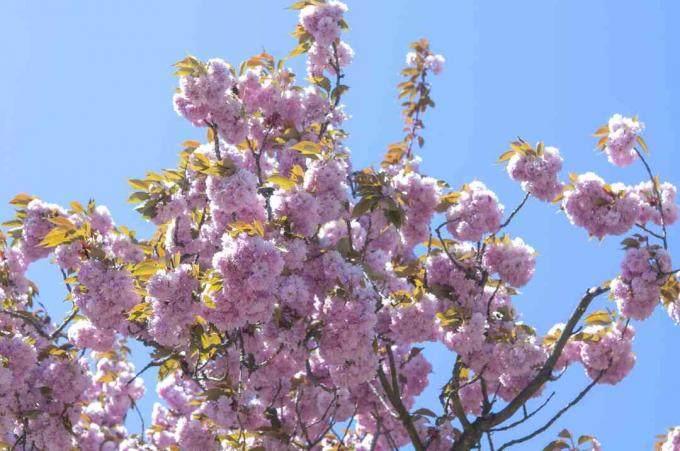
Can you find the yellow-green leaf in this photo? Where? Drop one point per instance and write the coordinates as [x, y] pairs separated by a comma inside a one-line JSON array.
[[600, 317], [307, 148], [643, 144], [282, 181], [21, 200], [505, 156]]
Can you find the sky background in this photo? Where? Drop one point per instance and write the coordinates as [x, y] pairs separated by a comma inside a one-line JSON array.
[[87, 103]]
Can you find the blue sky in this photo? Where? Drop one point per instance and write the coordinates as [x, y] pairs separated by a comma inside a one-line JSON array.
[[87, 103]]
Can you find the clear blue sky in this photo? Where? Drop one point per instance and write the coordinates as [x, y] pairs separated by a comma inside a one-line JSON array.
[[87, 103]]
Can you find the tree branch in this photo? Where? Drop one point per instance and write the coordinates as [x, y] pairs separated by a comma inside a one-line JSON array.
[[556, 416], [395, 399], [514, 212], [658, 197]]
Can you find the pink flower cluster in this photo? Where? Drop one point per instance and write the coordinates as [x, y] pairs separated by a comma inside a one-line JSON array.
[[538, 173], [36, 226], [324, 23], [209, 98], [422, 197], [250, 267], [599, 208], [350, 357], [621, 139], [514, 261], [649, 203], [300, 208], [672, 440], [433, 62], [105, 295], [174, 307], [611, 357], [637, 289], [476, 213]]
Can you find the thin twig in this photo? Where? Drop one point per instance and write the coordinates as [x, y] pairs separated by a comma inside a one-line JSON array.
[[64, 323], [658, 197], [514, 212], [526, 415], [556, 416], [651, 232]]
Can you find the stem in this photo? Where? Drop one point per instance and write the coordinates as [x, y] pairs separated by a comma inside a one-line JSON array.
[[654, 234], [658, 197], [514, 212], [338, 76], [416, 123], [526, 415], [64, 323], [216, 138], [571, 404]]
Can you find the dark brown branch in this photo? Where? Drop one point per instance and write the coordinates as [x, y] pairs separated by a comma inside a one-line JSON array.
[[472, 434], [64, 323], [514, 212], [216, 138], [27, 318], [526, 415], [545, 372], [395, 399], [550, 422], [455, 398], [651, 232]]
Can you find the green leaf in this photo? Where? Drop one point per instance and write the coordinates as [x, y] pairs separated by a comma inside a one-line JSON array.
[[146, 268], [585, 439], [109, 376], [55, 237], [167, 367], [564, 433], [137, 197], [643, 144], [366, 204], [140, 312], [21, 200], [556, 445], [307, 148], [300, 49], [600, 318], [139, 184], [282, 181]]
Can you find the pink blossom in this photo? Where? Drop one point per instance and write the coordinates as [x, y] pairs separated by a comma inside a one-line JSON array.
[[637, 289], [649, 203], [599, 208], [477, 212], [611, 357], [435, 63], [513, 260], [621, 139], [537, 173]]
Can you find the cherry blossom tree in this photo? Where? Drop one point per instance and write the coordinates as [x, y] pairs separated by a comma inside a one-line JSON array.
[[284, 292]]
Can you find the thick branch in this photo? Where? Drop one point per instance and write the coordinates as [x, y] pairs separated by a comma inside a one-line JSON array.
[[544, 374], [395, 399], [472, 434]]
